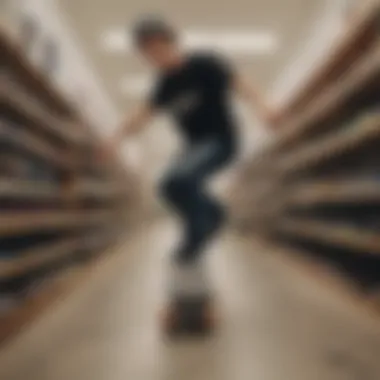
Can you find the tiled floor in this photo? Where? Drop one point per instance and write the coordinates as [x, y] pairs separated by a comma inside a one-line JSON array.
[[274, 325]]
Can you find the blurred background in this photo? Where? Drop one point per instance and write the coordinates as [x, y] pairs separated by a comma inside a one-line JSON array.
[[84, 241]]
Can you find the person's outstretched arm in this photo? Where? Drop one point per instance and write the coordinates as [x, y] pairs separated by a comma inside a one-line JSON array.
[[134, 123], [250, 94]]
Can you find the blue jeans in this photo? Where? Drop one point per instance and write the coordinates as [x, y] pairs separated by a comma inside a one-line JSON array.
[[184, 188]]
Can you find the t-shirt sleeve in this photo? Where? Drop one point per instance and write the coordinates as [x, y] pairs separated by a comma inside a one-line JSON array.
[[157, 99]]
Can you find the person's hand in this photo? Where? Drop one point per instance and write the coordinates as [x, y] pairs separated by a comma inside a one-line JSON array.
[[108, 150], [274, 119]]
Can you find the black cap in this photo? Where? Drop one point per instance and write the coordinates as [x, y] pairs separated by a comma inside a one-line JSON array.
[[148, 28]]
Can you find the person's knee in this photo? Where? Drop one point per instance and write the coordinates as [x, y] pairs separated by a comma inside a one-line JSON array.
[[175, 187]]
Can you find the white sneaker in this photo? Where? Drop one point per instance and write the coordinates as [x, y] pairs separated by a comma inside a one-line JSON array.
[[188, 280]]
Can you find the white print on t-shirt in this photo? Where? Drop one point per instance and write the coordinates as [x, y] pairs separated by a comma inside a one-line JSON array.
[[185, 103]]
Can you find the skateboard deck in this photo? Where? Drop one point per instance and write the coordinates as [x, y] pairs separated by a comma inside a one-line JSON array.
[[189, 316]]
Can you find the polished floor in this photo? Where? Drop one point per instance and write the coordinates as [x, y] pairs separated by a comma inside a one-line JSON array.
[[275, 324]]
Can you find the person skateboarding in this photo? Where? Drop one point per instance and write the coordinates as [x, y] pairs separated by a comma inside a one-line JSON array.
[[195, 89]]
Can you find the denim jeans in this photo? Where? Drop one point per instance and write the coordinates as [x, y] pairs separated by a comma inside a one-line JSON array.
[[184, 188]]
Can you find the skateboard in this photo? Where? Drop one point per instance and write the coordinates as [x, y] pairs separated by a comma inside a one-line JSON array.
[[190, 316]]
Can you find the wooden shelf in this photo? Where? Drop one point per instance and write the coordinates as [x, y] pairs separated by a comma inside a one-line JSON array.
[[20, 222], [45, 191], [331, 102], [335, 192], [14, 97], [333, 97], [66, 282], [317, 152], [98, 190], [339, 57], [22, 189], [43, 89], [32, 77], [62, 222], [34, 258], [324, 275], [342, 236], [331, 130], [35, 145], [29, 260]]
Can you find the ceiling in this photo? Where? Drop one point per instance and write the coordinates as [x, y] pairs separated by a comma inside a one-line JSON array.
[[91, 19]]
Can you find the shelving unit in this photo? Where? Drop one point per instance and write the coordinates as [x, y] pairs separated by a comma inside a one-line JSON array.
[[315, 188], [355, 39], [355, 238], [354, 191], [60, 205]]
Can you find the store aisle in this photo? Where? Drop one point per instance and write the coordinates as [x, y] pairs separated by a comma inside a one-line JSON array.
[[275, 325]]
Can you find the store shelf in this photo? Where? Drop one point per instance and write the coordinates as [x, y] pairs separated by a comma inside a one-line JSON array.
[[359, 32], [46, 191], [353, 238], [31, 259], [28, 190], [33, 78], [98, 190], [366, 73], [15, 98], [61, 205], [13, 223], [336, 97], [358, 133], [350, 191], [315, 185], [25, 140]]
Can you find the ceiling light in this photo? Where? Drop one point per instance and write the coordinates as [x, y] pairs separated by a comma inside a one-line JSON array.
[[244, 43], [241, 42]]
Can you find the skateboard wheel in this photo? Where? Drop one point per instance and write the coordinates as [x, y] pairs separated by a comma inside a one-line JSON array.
[[189, 318], [208, 316], [170, 319]]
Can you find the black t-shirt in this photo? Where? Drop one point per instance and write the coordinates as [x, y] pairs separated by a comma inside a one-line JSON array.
[[197, 95]]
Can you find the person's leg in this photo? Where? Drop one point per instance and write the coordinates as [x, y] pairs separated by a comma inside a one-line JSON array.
[[184, 188]]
